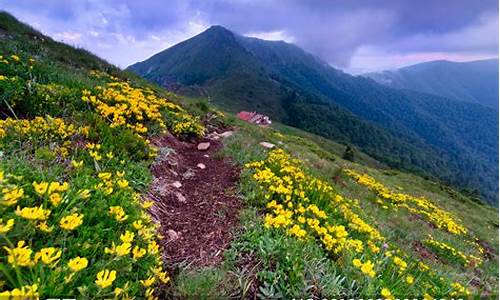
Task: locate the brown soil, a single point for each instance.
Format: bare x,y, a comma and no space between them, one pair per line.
489,252
414,217
424,252
198,218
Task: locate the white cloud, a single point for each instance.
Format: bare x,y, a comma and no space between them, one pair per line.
68,36
279,35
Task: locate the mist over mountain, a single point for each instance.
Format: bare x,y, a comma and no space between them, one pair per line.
474,81
455,141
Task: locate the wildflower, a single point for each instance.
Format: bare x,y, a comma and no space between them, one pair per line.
41,188
120,173
367,268
409,279
118,213
148,282
71,222
138,252
77,164
120,250
33,213
356,262
95,155
4,228
110,155
11,196
78,263
55,199
48,255
128,237
105,176
105,278
19,256
15,57
153,247
108,191
161,275
26,291
147,204
57,187
122,183
137,224
83,193
386,293
43,226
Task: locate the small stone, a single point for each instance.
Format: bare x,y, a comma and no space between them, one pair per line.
206,155
226,134
267,145
180,197
203,146
188,174
201,166
172,235
176,184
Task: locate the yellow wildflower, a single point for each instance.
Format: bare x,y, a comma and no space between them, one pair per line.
83,193
118,213
77,164
48,255
33,213
386,293
78,263
105,278
137,224
55,199
138,252
148,282
24,292
19,256
41,188
71,222
4,228
122,183
43,226
11,196
128,237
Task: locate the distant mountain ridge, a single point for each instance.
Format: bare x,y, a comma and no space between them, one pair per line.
454,141
474,81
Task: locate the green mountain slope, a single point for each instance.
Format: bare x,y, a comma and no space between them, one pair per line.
474,81
408,130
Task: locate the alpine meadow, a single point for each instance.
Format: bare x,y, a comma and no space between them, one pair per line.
192,160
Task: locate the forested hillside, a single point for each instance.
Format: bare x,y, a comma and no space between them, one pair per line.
474,81
454,141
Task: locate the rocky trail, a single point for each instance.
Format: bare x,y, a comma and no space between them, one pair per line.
195,200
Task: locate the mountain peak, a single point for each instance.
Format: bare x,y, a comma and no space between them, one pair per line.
218,29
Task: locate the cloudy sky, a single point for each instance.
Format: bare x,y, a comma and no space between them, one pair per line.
355,35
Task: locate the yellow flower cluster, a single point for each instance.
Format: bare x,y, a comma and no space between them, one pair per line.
450,252
44,128
132,107
308,208
418,205
294,198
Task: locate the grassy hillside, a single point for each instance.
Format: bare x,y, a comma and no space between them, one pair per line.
77,141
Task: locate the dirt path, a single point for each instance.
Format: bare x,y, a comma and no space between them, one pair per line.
196,202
